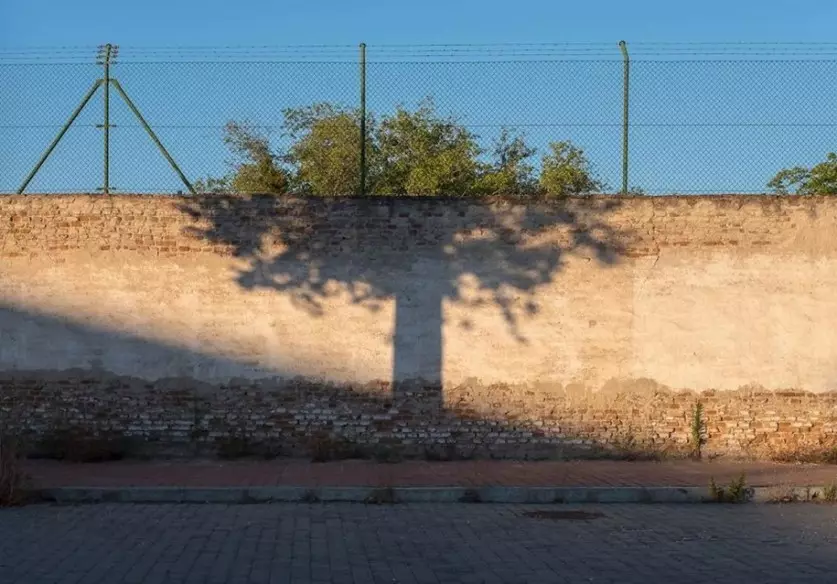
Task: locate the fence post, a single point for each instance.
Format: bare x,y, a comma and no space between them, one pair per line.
626,81
106,122
362,119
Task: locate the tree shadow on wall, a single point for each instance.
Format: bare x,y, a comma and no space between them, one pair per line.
420,252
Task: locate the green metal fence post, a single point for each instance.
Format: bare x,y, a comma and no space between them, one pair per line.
153,136
626,81
362,119
106,121
60,135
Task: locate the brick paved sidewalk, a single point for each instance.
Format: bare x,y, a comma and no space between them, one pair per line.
50,474
417,544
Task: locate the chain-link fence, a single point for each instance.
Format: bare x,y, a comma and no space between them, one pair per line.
446,119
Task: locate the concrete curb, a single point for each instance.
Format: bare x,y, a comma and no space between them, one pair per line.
390,495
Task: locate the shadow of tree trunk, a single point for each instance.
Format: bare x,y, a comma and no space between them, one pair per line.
420,252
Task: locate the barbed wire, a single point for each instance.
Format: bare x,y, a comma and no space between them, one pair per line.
441,52
499,125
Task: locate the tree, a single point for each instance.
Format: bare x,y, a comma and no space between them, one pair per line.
509,172
818,180
422,153
566,171
326,153
409,153
213,185
258,169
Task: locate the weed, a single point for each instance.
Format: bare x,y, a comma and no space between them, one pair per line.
829,493
813,455
738,489
736,492
807,448
716,493
698,428
785,494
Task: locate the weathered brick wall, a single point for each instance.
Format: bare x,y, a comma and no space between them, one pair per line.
287,418
511,330
34,224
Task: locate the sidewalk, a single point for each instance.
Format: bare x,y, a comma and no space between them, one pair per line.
467,481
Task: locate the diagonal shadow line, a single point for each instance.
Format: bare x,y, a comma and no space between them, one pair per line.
99,381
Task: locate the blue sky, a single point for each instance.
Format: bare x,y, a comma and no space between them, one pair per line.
220,22
675,148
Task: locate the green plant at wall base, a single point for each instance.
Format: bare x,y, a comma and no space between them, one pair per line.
736,492
716,493
698,428
737,489
829,493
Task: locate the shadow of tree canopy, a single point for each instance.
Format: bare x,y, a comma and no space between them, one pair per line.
418,251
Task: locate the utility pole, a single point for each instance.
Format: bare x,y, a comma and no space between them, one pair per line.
107,52
105,57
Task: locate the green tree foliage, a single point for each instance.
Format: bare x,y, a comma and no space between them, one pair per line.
213,185
326,151
409,153
260,172
509,173
422,153
257,169
818,180
566,171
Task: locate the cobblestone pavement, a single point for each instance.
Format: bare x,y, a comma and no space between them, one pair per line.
340,543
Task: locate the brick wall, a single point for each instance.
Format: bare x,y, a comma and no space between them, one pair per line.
491,327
